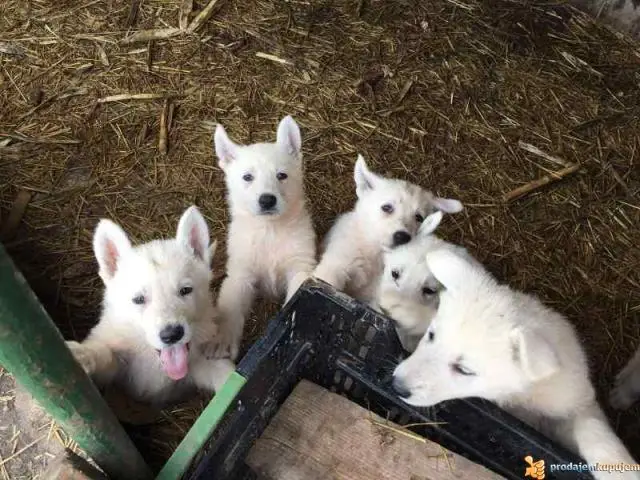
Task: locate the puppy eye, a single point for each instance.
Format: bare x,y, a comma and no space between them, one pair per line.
247,177
139,300
282,176
428,291
184,291
387,208
395,274
431,336
419,218
461,369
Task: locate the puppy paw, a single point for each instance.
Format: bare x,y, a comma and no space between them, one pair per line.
225,344
296,282
83,355
221,371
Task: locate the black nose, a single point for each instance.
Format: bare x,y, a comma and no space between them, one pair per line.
267,201
400,388
171,334
400,238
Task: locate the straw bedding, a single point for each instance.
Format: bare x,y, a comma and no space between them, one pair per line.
471,98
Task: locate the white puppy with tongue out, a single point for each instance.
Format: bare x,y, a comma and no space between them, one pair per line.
158,317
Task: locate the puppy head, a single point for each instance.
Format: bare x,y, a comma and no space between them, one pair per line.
161,287
476,346
407,285
263,179
394,209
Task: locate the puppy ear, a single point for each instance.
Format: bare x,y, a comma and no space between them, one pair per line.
447,205
288,136
109,244
194,233
429,224
450,269
226,149
536,356
365,179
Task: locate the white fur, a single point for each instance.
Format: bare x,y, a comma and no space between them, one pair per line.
273,253
624,15
516,352
352,260
123,347
407,290
626,390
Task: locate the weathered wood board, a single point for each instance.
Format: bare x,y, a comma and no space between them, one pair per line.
317,435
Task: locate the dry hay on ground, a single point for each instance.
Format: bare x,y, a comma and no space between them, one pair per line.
29,438
442,93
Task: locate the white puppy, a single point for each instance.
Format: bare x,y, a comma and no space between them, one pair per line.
627,387
489,341
407,290
387,214
157,315
271,243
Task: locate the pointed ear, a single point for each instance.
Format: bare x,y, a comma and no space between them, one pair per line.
451,270
288,136
226,149
429,224
447,205
535,354
365,178
109,244
194,233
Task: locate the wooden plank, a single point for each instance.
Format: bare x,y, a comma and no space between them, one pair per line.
317,435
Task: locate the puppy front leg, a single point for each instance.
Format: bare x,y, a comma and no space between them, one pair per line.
331,272
234,303
97,359
294,283
211,374
297,274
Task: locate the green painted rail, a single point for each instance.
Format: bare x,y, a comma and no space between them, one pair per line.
33,350
202,429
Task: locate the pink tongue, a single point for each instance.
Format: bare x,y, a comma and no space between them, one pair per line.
175,361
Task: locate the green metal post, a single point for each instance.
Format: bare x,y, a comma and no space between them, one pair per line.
33,350
202,429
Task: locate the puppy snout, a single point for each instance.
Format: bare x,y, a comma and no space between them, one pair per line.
171,334
400,388
267,201
400,238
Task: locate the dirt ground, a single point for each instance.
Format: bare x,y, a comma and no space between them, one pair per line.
472,99
28,437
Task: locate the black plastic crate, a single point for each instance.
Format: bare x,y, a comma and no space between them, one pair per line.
337,342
